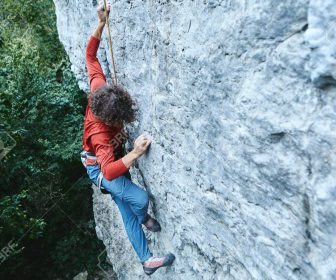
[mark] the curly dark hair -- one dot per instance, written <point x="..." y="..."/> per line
<point x="113" y="104"/>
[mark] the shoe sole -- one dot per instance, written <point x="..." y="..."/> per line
<point x="168" y="262"/>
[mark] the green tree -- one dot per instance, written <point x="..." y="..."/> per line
<point x="44" y="208"/>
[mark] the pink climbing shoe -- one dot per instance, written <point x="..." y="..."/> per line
<point x="152" y="224"/>
<point x="154" y="263"/>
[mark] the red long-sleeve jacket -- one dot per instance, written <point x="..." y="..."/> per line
<point x="99" y="138"/>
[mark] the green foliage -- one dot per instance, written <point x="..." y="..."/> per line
<point x="43" y="206"/>
<point x="14" y="219"/>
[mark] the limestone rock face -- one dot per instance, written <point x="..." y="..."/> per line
<point x="321" y="37"/>
<point x="239" y="98"/>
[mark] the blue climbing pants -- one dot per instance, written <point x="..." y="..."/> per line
<point x="132" y="202"/>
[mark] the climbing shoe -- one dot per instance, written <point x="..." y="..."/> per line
<point x="153" y="263"/>
<point x="152" y="224"/>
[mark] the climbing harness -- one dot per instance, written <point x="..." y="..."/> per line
<point x="88" y="158"/>
<point x="114" y="75"/>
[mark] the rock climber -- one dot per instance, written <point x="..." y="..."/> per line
<point x="109" y="108"/>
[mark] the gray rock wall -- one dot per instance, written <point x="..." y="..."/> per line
<point x="240" y="100"/>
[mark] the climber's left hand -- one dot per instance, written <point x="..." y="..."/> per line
<point x="101" y="11"/>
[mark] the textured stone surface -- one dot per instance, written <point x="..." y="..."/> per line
<point x="242" y="166"/>
<point x="321" y="37"/>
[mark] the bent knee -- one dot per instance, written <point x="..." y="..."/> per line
<point x="144" y="200"/>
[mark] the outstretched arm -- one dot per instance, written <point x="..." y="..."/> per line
<point x="101" y="19"/>
<point x="99" y="30"/>
<point x="95" y="72"/>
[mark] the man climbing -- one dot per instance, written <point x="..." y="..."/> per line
<point x="109" y="108"/>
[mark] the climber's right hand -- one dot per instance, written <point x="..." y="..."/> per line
<point x="101" y="11"/>
<point x="141" y="145"/>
